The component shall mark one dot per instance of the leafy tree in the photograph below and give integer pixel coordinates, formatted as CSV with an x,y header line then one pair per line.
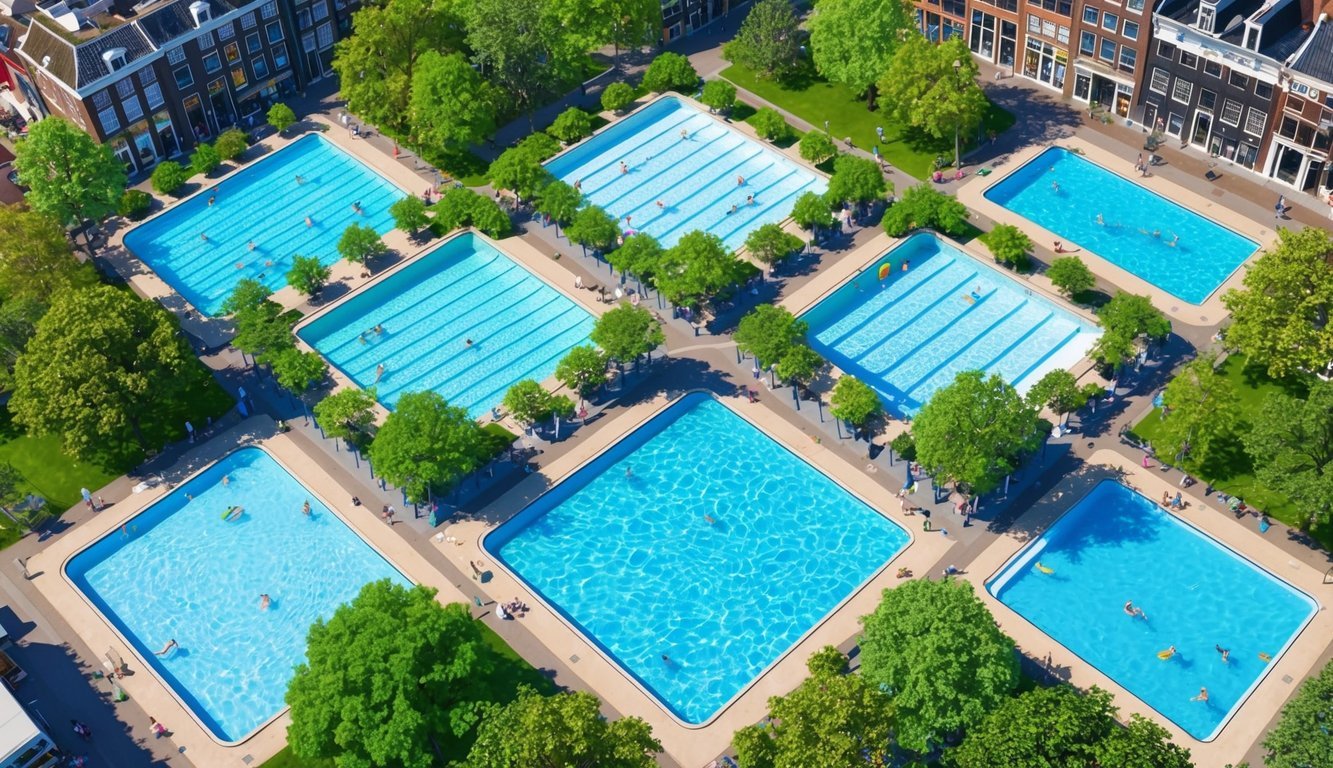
x,y
489,217
904,445
936,648
1142,743
696,268
974,431
281,117
520,170
811,210
617,96
100,364
566,729
385,676
527,402
768,41
450,106
540,145
1125,318
591,24
426,444
1302,738
771,243
854,402
1059,391
231,144
1010,246
799,364
1292,446
933,88
560,407
35,260
360,243
168,177
1071,276
1280,319
854,41
69,176
453,210
248,294
593,228
571,125
583,369
771,125
831,719
670,72
719,95
409,214
816,146
262,328
307,275
627,332
922,207
520,45
205,159
18,324
639,255
134,204
1202,407
296,371
768,332
347,414
856,180
560,201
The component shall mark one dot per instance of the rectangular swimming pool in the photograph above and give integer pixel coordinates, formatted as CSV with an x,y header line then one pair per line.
x,y
1115,546
427,312
695,177
179,571
696,552
910,333
202,250
1143,233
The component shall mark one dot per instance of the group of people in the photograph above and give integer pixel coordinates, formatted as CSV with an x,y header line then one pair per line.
x,y
511,610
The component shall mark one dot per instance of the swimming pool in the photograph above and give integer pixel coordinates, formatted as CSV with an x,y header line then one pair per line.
x,y
695,178
625,550
1143,233
264,204
179,571
1116,545
427,311
913,332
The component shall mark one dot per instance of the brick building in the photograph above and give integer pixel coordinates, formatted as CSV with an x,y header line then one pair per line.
x,y
1297,153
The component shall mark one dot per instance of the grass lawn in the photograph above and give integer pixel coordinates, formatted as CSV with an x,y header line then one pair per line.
x,y
816,100
47,472
1232,470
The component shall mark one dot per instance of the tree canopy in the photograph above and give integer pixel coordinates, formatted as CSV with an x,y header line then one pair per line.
x,y
35,260
426,444
923,207
771,243
205,159
768,332
719,95
450,105
307,274
627,332
560,201
347,414
1125,318
933,88
297,370
360,243
519,169
527,402
565,729
582,369
799,364
1010,246
768,41
853,41
69,176
811,210
1302,737
409,214
281,117
571,125
617,96
856,179
975,431
670,71
593,228
521,46
695,269
817,146
854,401
639,255
1059,391
1291,443
1202,407
1071,275
771,125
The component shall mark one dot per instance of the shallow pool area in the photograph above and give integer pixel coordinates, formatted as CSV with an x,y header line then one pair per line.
x,y
464,320
181,570
692,164
1196,596
1149,236
695,552
909,333
202,248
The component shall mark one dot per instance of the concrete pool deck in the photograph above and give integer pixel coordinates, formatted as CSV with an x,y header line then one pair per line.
x,y
1249,720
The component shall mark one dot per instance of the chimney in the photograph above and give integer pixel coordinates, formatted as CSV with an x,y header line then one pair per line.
x,y
199,9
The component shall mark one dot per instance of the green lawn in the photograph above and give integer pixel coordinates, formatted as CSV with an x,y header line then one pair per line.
x,y
815,100
1232,470
47,472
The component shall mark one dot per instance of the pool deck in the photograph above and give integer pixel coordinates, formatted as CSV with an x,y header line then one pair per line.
x,y
143,685
1210,312
1249,720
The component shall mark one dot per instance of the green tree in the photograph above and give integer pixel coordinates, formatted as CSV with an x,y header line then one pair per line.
x,y
561,407
347,414
489,217
560,201
1044,726
248,294
1126,318
409,214
1142,743
670,72
101,363
770,243
593,228
696,268
542,146
582,369
426,445
856,180
617,96
934,645
629,24
831,719
453,210
719,95
768,332
527,402
627,333
639,255
974,431
296,371
1302,738
853,41
1010,246
35,260
811,210
520,170
134,204
933,88
281,117
18,324
1059,391
771,125
360,243
799,365
768,41
854,401
205,159
817,146
1202,407
566,729
1280,319
571,125
922,207
231,144
386,676
69,176
521,46
450,106
262,328
168,177
307,275
1292,446
1071,276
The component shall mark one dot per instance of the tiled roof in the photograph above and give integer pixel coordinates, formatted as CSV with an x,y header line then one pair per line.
x,y
88,55
1317,58
44,45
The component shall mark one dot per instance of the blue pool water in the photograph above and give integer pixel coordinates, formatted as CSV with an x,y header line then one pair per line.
x,y
465,289
263,203
182,572
1139,225
911,334
1116,545
624,550
695,178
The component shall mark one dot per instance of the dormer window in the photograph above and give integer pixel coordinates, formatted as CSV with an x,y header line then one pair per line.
x,y
114,58
200,11
1207,17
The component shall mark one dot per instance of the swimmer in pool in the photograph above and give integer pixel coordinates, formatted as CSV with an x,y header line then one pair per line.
x,y
264,602
167,647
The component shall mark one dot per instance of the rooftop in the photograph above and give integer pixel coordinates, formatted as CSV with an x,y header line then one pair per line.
x,y
1316,59
1281,22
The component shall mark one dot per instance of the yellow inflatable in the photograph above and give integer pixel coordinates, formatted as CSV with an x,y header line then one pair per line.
x,y
1168,653
1044,569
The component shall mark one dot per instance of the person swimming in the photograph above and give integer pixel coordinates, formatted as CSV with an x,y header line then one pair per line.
x,y
1168,653
356,207
264,602
305,508
1134,610
1100,221
166,648
1203,695
309,222
1226,653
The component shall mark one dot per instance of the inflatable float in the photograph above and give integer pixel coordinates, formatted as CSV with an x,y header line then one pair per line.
x,y
233,513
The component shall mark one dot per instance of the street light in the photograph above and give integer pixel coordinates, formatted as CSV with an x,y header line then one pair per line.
x,y
957,160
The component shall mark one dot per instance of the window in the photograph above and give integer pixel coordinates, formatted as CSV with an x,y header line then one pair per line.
x,y
308,42
1212,68
102,99
274,32
175,56
1207,99
183,78
1288,127
148,75
212,62
238,77
1048,28
1135,5
226,32
232,52
1129,58
252,43
1160,80
1062,34
1182,90
303,19
110,123
131,107
1238,80
1107,52
125,88
270,9
1295,104
260,65
1034,24
324,33
248,21
320,11
1087,43
280,57
1263,90
1254,122
1188,59
1089,15
153,92
1131,30
1110,21
1231,112
1166,50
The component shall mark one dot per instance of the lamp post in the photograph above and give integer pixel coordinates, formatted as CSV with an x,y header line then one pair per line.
x,y
957,156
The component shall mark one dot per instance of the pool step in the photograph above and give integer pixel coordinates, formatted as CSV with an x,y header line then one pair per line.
x,y
1055,346
916,342
977,349
896,293
957,330
874,352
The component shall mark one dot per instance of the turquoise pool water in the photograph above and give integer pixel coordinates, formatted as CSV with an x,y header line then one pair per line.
x,y
427,311
625,551
179,571
1065,193
912,333
263,203
694,178
1116,545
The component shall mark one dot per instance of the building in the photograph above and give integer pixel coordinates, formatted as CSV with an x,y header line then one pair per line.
x,y
685,17
23,743
1113,41
17,91
1297,153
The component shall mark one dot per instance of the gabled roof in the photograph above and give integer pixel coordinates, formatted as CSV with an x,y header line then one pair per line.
x,y
1316,60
